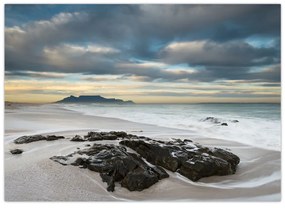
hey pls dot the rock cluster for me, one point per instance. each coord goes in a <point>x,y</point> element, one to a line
<point>143,168</point>
<point>217,121</point>
<point>212,119</point>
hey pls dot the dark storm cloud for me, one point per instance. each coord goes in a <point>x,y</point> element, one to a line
<point>213,37</point>
<point>264,20</point>
<point>209,53</point>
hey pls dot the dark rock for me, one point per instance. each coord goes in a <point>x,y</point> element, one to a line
<point>190,160</point>
<point>29,139</point>
<point>119,133</point>
<point>112,135</point>
<point>97,136</point>
<point>16,151</point>
<point>139,179</point>
<point>160,172</point>
<point>202,166</point>
<point>34,138</point>
<point>115,164</point>
<point>87,145</point>
<point>78,138</point>
<point>53,137</point>
<point>224,124</point>
<point>235,121</point>
<point>227,156</point>
<point>212,119</point>
<point>93,136</point>
<point>154,153</point>
<point>80,162</point>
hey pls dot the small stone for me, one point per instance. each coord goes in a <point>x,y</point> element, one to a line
<point>224,124</point>
<point>16,151</point>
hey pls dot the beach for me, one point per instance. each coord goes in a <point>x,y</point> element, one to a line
<point>32,176</point>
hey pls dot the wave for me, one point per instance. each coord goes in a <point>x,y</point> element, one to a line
<point>256,125</point>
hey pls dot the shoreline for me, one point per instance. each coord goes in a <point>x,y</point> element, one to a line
<point>102,126</point>
<point>33,177</point>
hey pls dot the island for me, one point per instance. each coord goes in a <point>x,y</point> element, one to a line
<point>93,99</point>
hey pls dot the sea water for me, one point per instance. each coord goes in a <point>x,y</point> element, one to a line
<point>258,124</point>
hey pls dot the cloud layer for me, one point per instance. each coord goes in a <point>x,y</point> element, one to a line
<point>144,43</point>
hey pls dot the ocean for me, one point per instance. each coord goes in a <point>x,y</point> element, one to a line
<point>254,124</point>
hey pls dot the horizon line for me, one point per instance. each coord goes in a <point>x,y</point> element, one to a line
<point>12,102</point>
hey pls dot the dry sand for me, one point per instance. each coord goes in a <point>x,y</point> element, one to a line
<point>33,177</point>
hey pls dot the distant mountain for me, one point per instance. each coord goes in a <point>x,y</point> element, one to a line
<point>93,99</point>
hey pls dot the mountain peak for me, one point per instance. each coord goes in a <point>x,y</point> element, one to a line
<point>93,99</point>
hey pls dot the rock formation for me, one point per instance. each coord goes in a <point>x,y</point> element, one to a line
<point>116,164</point>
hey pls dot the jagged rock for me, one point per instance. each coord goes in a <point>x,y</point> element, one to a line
<point>153,153</point>
<point>224,124</point>
<point>202,166</point>
<point>190,160</point>
<point>112,135</point>
<point>16,151</point>
<point>34,138</point>
<point>78,138</point>
<point>139,179</point>
<point>97,136</point>
<point>115,164</point>
<point>227,156</point>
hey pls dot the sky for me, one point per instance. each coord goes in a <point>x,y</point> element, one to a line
<point>144,53</point>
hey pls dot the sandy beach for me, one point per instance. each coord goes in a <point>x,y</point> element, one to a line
<point>32,176</point>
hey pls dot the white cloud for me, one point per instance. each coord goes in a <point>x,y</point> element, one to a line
<point>142,65</point>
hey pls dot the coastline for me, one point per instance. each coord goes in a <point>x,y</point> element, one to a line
<point>33,177</point>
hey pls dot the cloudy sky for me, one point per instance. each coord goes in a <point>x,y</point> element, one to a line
<point>144,53</point>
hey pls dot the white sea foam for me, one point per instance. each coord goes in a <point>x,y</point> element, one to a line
<point>259,124</point>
